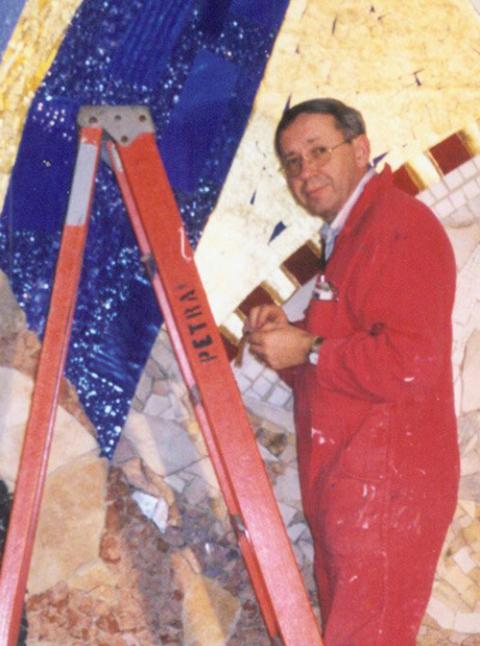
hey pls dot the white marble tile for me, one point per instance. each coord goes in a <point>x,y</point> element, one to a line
<point>242,382</point>
<point>472,189</point>
<point>453,179</point>
<point>279,396</point>
<point>427,197</point>
<point>464,560</point>
<point>157,405</point>
<point>441,613</point>
<point>295,531</point>
<point>467,623</point>
<point>262,386</point>
<point>439,190</point>
<point>458,198</point>
<point>468,169</point>
<point>443,208</point>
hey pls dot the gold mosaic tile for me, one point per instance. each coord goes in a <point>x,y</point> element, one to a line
<point>30,52</point>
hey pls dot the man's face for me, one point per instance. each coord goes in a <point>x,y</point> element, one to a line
<point>322,189</point>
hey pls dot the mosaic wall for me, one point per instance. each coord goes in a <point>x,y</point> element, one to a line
<point>160,548</point>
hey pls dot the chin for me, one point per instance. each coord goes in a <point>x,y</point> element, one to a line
<point>324,214</point>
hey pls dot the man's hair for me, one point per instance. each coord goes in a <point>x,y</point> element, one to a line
<point>347,119</point>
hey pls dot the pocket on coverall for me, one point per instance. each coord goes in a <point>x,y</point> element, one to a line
<point>353,500</point>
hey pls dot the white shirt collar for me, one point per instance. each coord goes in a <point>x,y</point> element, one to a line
<point>338,223</point>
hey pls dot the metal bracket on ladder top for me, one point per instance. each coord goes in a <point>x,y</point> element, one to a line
<point>197,343</point>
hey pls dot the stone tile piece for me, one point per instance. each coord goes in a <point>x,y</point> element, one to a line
<point>204,470</point>
<point>12,318</point>
<point>464,240</point>
<point>472,189</point>
<point>209,612</point>
<point>464,560</point>
<point>467,623</point>
<point>71,521</point>
<point>287,487</point>
<point>458,198</point>
<point>468,169</point>
<point>156,509</point>
<point>443,208</point>
<point>279,416</point>
<point>157,405</point>
<point>162,444</point>
<point>93,577</point>
<point>441,613</point>
<point>453,179</point>
<point>70,438</point>
<point>439,190</point>
<point>279,396</point>
<point>471,374</point>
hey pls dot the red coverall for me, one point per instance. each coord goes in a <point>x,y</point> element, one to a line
<point>377,446</point>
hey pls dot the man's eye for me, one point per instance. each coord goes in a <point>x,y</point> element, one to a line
<point>318,152</point>
<point>292,163</point>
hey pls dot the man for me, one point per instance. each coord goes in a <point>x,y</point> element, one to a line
<point>371,372</point>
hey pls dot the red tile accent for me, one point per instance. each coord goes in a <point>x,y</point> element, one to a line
<point>259,296</point>
<point>402,179</point>
<point>230,348</point>
<point>303,264</point>
<point>450,153</point>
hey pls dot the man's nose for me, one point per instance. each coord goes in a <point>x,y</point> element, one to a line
<point>309,167</point>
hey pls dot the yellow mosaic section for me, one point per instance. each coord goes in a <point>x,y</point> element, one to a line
<point>30,52</point>
<point>411,67</point>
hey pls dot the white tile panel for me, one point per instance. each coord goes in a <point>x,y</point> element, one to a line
<point>444,208</point>
<point>453,179</point>
<point>439,190</point>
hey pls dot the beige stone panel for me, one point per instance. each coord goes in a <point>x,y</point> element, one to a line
<point>412,70</point>
<point>163,445</point>
<point>70,438</point>
<point>406,65</point>
<point>237,237</point>
<point>71,522</point>
<point>94,576</point>
<point>209,612</point>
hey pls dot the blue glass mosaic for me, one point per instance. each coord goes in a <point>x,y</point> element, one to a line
<point>197,65</point>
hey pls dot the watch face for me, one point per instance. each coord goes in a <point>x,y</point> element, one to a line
<point>313,357</point>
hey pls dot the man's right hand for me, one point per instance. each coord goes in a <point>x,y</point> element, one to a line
<point>262,315</point>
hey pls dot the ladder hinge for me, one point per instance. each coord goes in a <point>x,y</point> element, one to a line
<point>123,123</point>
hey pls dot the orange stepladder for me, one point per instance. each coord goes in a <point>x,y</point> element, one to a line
<point>128,134</point>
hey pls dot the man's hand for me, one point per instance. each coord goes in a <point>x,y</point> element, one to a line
<point>273,340</point>
<point>260,315</point>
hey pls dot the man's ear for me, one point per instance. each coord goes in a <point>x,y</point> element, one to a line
<point>361,147</point>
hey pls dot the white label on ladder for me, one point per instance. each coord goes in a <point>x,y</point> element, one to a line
<point>82,186</point>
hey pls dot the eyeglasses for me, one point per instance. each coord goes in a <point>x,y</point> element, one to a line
<point>318,155</point>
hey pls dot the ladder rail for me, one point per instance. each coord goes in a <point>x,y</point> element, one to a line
<point>39,430</point>
<point>218,391</point>
<point>196,340</point>
<point>201,415</point>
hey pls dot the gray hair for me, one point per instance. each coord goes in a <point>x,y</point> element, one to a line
<point>347,119</point>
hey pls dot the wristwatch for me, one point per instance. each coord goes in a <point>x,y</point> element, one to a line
<point>314,350</point>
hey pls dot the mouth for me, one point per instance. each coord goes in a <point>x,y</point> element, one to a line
<point>316,191</point>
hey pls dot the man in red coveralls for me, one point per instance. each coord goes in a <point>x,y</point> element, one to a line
<point>371,372</point>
